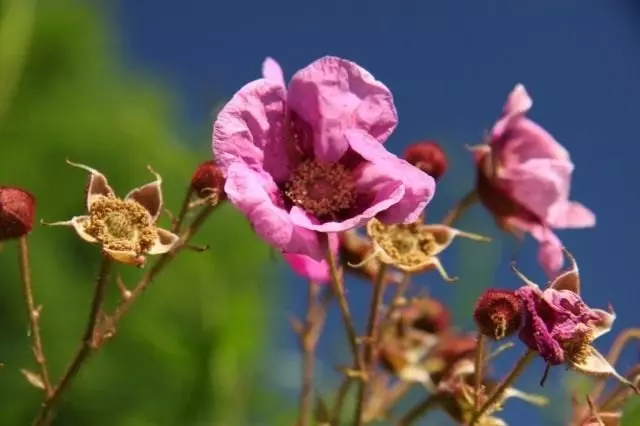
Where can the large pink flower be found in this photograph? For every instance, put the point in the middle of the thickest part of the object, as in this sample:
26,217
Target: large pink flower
524,178
308,158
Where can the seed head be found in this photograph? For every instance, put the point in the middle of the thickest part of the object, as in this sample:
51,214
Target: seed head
17,210
428,157
498,313
208,181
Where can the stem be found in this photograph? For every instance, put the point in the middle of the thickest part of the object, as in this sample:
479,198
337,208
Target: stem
341,396
308,347
478,370
618,345
495,396
463,205
371,336
162,261
401,289
46,413
183,211
33,314
418,411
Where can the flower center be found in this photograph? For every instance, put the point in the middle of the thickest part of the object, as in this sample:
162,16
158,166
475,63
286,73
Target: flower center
121,225
324,190
577,348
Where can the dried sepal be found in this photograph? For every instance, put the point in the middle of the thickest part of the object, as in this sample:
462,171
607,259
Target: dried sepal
595,364
97,184
570,279
149,196
78,224
33,378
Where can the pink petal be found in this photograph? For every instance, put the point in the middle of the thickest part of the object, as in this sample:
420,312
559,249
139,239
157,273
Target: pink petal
524,140
311,269
570,214
272,71
249,130
333,95
518,102
538,184
550,255
252,193
418,186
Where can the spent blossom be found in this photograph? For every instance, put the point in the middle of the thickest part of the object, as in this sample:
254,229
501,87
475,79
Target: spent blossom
308,158
125,228
17,211
429,157
524,179
561,328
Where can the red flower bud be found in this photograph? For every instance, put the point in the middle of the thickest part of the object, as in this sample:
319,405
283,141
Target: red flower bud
428,157
208,181
498,313
17,209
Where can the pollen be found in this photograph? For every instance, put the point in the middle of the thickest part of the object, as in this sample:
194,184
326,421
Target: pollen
577,348
121,225
322,189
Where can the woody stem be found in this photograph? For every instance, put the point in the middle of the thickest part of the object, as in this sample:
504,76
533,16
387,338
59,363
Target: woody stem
478,370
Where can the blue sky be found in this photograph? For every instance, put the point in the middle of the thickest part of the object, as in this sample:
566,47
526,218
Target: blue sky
450,66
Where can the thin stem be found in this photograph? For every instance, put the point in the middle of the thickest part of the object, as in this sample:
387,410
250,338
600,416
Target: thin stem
393,395
398,295
478,370
499,391
341,396
371,337
307,344
618,345
124,306
177,223
463,205
46,414
419,410
34,315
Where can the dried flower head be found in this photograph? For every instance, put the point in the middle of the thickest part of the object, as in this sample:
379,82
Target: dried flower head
524,179
125,228
17,210
354,249
308,157
429,157
498,313
561,328
426,314
414,247
208,181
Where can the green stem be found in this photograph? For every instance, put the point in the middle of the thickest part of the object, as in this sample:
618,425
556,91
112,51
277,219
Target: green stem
419,410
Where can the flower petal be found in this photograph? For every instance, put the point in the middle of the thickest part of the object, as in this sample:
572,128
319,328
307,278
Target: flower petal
255,195
250,130
272,71
165,242
550,254
97,187
332,95
570,279
126,257
570,214
597,365
149,196
77,223
418,186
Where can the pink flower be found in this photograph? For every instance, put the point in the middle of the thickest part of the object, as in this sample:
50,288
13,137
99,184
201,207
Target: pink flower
311,269
560,327
308,158
524,178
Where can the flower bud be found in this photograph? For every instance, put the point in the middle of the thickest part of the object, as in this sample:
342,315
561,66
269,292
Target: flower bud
498,313
428,157
208,181
17,209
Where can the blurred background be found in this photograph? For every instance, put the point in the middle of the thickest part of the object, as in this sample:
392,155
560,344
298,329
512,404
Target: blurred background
119,85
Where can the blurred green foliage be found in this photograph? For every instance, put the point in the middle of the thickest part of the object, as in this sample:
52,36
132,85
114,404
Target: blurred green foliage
187,352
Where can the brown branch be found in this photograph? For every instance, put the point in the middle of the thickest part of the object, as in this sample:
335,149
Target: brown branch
34,315
46,414
463,205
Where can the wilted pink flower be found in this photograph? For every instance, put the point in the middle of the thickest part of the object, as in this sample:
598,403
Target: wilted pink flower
309,158
560,327
311,269
524,178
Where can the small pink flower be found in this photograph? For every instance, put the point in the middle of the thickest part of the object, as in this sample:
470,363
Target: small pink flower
308,158
525,178
560,327
311,269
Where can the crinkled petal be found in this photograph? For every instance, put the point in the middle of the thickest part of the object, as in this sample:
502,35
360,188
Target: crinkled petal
272,71
97,186
253,194
333,95
418,186
126,257
165,242
77,223
311,269
249,130
149,196
595,364
570,214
